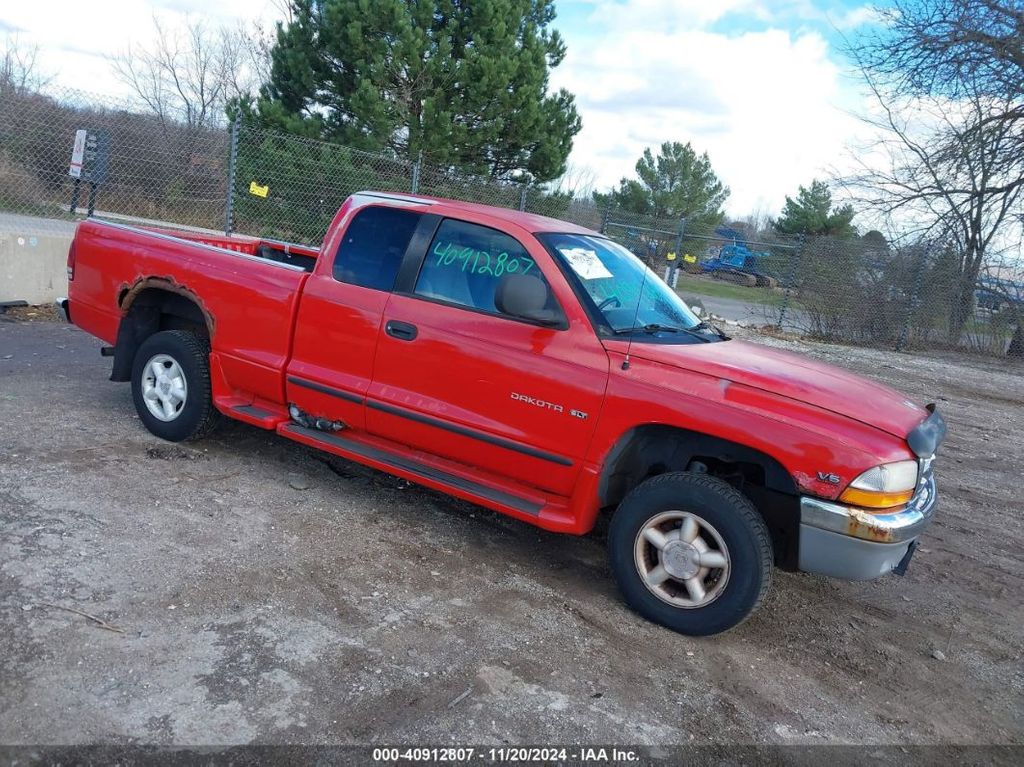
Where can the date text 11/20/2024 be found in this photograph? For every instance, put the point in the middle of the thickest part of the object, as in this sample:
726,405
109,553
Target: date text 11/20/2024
506,754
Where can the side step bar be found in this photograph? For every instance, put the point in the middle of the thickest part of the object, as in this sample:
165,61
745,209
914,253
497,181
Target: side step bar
405,465
253,411
252,414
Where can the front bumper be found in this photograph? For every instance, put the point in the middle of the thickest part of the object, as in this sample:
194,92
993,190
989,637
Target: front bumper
849,543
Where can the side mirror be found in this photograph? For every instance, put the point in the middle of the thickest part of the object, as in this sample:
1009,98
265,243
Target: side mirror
526,297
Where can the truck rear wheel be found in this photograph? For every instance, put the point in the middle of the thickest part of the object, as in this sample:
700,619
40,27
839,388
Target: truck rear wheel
690,552
171,385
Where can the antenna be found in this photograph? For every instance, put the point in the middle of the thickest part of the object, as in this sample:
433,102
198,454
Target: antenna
636,315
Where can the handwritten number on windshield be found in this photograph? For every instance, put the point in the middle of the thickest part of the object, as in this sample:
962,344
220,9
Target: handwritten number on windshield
478,261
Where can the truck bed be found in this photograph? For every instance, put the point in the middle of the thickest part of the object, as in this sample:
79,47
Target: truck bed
247,289
294,254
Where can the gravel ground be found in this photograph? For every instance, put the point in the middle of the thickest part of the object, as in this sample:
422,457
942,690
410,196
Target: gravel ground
262,592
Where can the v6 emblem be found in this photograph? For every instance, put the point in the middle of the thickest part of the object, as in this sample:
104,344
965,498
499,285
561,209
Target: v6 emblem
832,479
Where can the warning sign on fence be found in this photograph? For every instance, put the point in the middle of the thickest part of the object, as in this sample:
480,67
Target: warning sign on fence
259,191
90,156
77,154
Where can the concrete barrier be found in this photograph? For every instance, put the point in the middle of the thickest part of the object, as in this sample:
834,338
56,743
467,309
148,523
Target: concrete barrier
33,266
34,253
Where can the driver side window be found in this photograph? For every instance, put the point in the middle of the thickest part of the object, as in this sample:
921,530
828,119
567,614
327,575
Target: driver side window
466,263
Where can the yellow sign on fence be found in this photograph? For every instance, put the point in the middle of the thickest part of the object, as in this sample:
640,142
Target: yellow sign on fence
259,191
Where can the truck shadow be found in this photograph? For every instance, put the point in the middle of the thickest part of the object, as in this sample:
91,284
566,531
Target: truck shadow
570,568
581,558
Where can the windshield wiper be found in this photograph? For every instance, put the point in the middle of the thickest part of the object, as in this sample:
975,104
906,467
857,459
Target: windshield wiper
653,327
702,325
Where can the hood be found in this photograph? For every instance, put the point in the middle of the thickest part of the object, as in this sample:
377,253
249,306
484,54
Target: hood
795,377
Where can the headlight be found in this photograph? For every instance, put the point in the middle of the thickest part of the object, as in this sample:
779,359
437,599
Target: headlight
885,486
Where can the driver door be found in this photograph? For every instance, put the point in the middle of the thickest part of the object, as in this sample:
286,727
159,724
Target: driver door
456,377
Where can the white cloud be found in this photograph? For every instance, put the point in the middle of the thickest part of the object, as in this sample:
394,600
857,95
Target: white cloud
857,17
76,37
768,106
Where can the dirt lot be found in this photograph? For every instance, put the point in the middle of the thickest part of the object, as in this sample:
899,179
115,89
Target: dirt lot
270,594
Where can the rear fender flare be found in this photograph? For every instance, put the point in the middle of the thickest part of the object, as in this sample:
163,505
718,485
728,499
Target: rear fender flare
145,305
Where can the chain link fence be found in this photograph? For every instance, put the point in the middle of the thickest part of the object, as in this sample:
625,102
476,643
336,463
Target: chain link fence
289,188
239,178
153,170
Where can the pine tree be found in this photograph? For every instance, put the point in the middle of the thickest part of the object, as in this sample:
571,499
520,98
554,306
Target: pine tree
675,184
462,83
811,213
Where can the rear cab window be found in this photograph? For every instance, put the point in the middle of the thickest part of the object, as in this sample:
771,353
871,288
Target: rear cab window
372,248
466,263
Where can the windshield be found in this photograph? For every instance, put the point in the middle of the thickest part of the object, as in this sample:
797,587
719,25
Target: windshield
624,293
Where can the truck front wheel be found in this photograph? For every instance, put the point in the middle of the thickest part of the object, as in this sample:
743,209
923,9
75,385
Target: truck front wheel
690,552
171,385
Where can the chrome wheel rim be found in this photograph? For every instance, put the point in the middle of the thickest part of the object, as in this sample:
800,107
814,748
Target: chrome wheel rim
682,559
164,387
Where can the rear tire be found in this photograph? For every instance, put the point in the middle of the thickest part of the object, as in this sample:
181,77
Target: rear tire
171,386
690,552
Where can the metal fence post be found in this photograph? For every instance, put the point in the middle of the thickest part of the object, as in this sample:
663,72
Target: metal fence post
229,206
679,236
794,267
673,276
92,199
522,197
416,173
915,292
605,216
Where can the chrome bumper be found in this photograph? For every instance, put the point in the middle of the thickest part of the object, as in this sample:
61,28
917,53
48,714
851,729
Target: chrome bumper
63,308
897,527
846,542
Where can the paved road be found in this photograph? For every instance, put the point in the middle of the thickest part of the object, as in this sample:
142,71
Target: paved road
733,309
748,312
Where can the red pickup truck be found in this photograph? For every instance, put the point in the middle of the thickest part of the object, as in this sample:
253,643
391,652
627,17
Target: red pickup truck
530,366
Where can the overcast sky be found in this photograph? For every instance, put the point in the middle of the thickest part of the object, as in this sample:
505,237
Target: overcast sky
758,84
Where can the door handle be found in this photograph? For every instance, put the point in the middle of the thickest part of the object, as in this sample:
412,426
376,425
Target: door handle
403,331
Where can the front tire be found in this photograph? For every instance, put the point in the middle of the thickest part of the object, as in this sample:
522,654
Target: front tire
690,552
171,385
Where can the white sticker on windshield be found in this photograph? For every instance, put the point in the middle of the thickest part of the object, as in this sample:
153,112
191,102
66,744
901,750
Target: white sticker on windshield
585,263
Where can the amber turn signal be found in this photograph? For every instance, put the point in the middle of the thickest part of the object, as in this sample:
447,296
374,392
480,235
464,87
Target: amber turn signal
873,499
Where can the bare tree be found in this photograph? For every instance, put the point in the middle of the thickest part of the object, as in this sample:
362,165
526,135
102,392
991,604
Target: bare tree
256,41
949,47
188,75
759,220
578,181
948,171
953,49
19,68
947,77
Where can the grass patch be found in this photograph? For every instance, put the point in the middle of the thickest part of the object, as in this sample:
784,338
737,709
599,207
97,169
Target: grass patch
692,285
